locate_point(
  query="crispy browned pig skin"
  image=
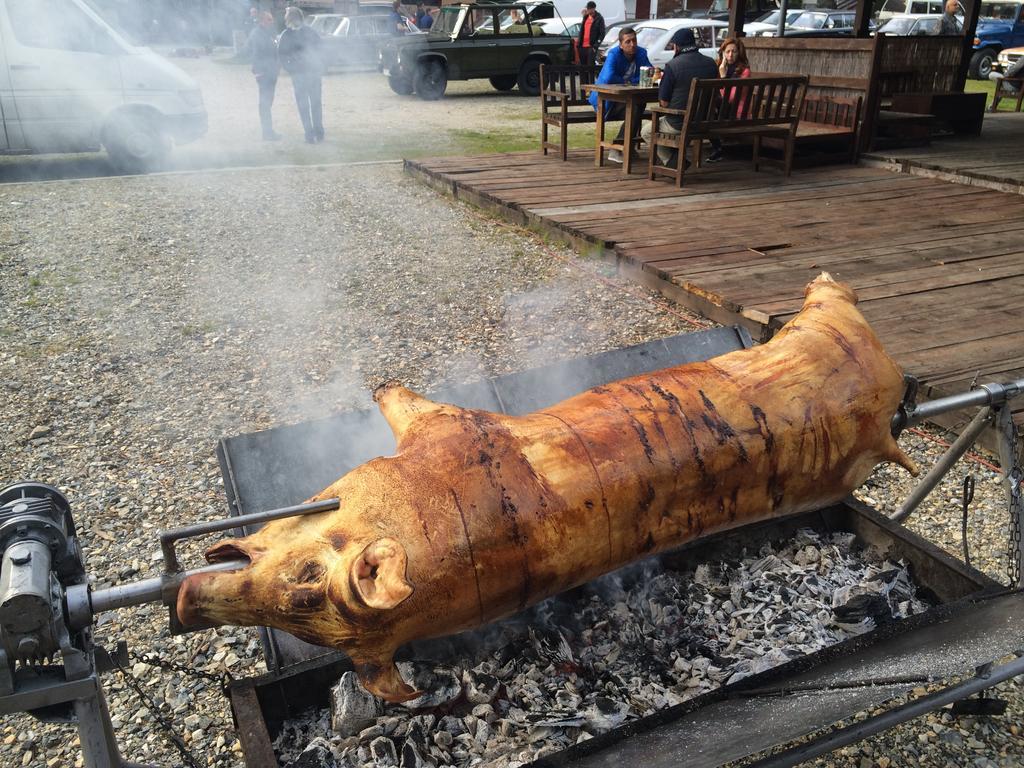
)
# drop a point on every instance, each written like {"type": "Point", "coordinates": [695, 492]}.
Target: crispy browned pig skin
{"type": "Point", "coordinates": [478, 514]}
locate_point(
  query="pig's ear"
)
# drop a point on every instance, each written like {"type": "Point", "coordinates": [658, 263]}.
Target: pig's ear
{"type": "Point", "coordinates": [401, 406]}
{"type": "Point", "coordinates": [378, 574]}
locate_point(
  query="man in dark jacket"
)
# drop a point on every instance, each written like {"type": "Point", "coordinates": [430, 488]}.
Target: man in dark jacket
{"type": "Point", "coordinates": [674, 92]}
{"type": "Point", "coordinates": [299, 49]}
{"type": "Point", "coordinates": [591, 34]}
{"type": "Point", "coordinates": [265, 66]}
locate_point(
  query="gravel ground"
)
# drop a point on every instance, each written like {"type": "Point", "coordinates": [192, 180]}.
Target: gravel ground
{"type": "Point", "coordinates": [165, 312]}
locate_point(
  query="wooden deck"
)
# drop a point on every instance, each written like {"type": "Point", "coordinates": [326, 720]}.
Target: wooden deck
{"type": "Point", "coordinates": [939, 266]}
{"type": "Point", "coordinates": [994, 160]}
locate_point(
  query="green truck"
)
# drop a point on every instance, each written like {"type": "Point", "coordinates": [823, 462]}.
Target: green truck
{"type": "Point", "coordinates": [498, 41]}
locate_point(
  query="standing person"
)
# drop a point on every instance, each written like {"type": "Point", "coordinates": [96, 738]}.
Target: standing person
{"type": "Point", "coordinates": [396, 20]}
{"type": "Point", "coordinates": [623, 66]}
{"type": "Point", "coordinates": [950, 24]}
{"type": "Point", "coordinates": [687, 64]}
{"type": "Point", "coordinates": [591, 34]}
{"type": "Point", "coordinates": [427, 21]}
{"type": "Point", "coordinates": [299, 49]}
{"type": "Point", "coordinates": [732, 62]}
{"type": "Point", "coordinates": [265, 66]}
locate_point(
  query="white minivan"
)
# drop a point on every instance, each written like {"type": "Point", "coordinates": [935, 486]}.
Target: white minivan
{"type": "Point", "coordinates": [69, 82]}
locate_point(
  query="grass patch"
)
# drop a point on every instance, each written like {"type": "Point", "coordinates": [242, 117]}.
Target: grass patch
{"type": "Point", "coordinates": [469, 141]}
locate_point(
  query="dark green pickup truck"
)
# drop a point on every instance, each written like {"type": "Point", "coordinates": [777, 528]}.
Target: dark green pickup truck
{"type": "Point", "coordinates": [474, 40]}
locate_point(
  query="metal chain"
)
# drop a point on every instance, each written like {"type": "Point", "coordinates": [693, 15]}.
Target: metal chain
{"type": "Point", "coordinates": [968, 497]}
{"type": "Point", "coordinates": [1015, 477]}
{"type": "Point", "coordinates": [153, 707]}
{"type": "Point", "coordinates": [224, 679]}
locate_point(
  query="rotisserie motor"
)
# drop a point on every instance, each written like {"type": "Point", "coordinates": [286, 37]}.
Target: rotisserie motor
{"type": "Point", "coordinates": [479, 514]}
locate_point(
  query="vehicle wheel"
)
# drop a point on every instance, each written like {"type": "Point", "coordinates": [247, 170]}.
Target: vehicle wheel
{"type": "Point", "coordinates": [504, 82]}
{"type": "Point", "coordinates": [400, 85]}
{"type": "Point", "coordinates": [529, 78]}
{"type": "Point", "coordinates": [981, 64]}
{"type": "Point", "coordinates": [136, 144]}
{"type": "Point", "coordinates": [431, 80]}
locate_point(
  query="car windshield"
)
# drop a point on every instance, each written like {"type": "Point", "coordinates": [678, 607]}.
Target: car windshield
{"type": "Point", "coordinates": [895, 6]}
{"type": "Point", "coordinates": [810, 21]}
{"type": "Point", "coordinates": [1006, 11]}
{"type": "Point", "coordinates": [897, 26]}
{"type": "Point", "coordinates": [646, 37]}
{"type": "Point", "coordinates": [446, 21]}
{"type": "Point", "coordinates": [719, 6]}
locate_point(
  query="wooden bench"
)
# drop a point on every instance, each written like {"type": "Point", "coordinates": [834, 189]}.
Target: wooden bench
{"type": "Point", "coordinates": [827, 121]}
{"type": "Point", "coordinates": [998, 95]}
{"type": "Point", "coordinates": [563, 102]}
{"type": "Point", "coordinates": [771, 106]}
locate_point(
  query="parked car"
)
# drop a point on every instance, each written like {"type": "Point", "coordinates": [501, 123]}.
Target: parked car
{"type": "Point", "coordinates": [1006, 59]}
{"type": "Point", "coordinates": [719, 10]}
{"type": "Point", "coordinates": [611, 36]}
{"type": "Point", "coordinates": [70, 82]}
{"type": "Point", "coordinates": [468, 41]}
{"type": "Point", "coordinates": [891, 8]}
{"type": "Point", "coordinates": [357, 40]}
{"type": "Point", "coordinates": [1001, 26]}
{"type": "Point", "coordinates": [560, 27]}
{"type": "Point", "coordinates": [570, 11]}
{"type": "Point", "coordinates": [769, 23]}
{"type": "Point", "coordinates": [908, 25]}
{"type": "Point", "coordinates": [655, 35]}
{"type": "Point", "coordinates": [814, 20]}
{"type": "Point", "coordinates": [324, 23]}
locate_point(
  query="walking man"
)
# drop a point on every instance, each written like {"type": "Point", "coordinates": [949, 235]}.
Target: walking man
{"type": "Point", "coordinates": [265, 66]}
{"type": "Point", "coordinates": [591, 34]}
{"type": "Point", "coordinates": [299, 49]}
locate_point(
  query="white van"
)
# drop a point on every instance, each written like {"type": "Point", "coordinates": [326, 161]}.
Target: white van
{"type": "Point", "coordinates": [70, 83]}
{"type": "Point", "coordinates": [571, 11]}
{"type": "Point", "coordinates": [893, 8]}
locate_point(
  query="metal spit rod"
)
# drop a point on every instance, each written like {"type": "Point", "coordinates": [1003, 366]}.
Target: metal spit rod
{"type": "Point", "coordinates": [84, 603]}
{"type": "Point", "coordinates": [985, 394]}
{"type": "Point", "coordinates": [169, 538]}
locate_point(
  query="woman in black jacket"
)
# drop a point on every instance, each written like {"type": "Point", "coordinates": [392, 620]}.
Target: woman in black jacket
{"type": "Point", "coordinates": [299, 50]}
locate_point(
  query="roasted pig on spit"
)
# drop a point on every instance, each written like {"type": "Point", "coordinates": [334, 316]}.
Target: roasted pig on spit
{"type": "Point", "coordinates": [479, 515]}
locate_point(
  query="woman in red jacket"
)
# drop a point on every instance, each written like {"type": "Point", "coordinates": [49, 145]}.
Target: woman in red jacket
{"type": "Point", "coordinates": [732, 62]}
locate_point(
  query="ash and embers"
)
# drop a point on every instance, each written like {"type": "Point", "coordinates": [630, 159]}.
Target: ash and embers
{"type": "Point", "coordinates": [620, 648]}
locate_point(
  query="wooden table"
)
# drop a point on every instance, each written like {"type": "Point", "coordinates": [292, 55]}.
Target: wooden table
{"type": "Point", "coordinates": [635, 99]}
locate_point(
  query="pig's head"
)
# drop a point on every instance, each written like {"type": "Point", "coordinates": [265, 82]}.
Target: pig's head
{"type": "Point", "coordinates": [339, 579]}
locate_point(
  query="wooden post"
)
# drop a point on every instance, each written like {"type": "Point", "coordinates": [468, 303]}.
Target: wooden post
{"type": "Point", "coordinates": [860, 22]}
{"type": "Point", "coordinates": [972, 10]}
{"type": "Point", "coordinates": [737, 15]}
{"type": "Point", "coordinates": [873, 96]}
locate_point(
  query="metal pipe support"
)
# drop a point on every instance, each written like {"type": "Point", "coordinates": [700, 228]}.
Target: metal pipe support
{"type": "Point", "coordinates": [944, 464]}
{"type": "Point", "coordinates": [854, 733]}
{"type": "Point", "coordinates": [985, 394]}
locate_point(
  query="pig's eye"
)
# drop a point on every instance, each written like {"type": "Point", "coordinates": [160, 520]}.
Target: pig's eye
{"type": "Point", "coordinates": [311, 572]}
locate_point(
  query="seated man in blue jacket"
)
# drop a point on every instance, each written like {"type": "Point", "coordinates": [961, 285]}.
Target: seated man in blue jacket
{"type": "Point", "coordinates": [622, 66]}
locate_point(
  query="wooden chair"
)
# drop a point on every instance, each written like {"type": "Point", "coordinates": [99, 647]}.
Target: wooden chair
{"type": "Point", "coordinates": [563, 102]}
{"type": "Point", "coordinates": [756, 107]}
{"type": "Point", "coordinates": [999, 94]}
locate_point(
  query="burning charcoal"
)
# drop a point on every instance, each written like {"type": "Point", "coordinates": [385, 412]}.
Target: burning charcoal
{"type": "Point", "coordinates": [382, 750]}
{"type": "Point", "coordinates": [443, 739]}
{"type": "Point", "coordinates": [452, 725]}
{"type": "Point", "coordinates": [353, 708]}
{"type": "Point", "coordinates": [440, 686]}
{"type": "Point", "coordinates": [317, 754]}
{"type": "Point", "coordinates": [603, 714]}
{"type": "Point", "coordinates": [484, 712]}
{"type": "Point", "coordinates": [480, 687]}
{"type": "Point", "coordinates": [412, 757]}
